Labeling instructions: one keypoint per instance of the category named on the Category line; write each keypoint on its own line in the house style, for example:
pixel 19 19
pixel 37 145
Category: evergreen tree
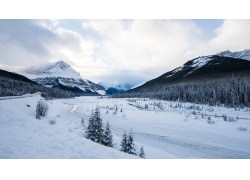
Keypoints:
pixel 107 138
pixel 95 130
pixel 90 132
pixel 98 128
pixel 124 142
pixel 142 153
pixel 130 144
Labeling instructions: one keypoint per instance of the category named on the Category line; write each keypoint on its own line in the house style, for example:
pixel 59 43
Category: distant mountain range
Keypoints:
pixel 62 75
pixel 116 89
pixel 202 69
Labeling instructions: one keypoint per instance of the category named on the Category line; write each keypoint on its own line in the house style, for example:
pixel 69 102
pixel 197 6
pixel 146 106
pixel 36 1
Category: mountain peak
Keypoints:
pixel 245 54
pixel 61 63
pixel 54 69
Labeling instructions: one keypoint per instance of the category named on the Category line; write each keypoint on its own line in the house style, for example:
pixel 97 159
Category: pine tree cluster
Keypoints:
pixel 95 130
pixel 127 143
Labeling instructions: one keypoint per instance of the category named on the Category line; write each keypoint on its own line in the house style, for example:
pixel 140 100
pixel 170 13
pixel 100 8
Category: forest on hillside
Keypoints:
pixel 12 87
pixel 231 92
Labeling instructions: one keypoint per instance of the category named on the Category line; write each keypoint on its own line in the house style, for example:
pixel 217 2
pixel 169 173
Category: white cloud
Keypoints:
pixel 116 50
pixel 104 27
pixel 151 46
pixel 39 41
pixel 232 35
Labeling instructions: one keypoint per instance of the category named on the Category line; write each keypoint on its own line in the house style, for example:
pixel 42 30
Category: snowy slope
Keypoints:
pixel 23 136
pixel 63 75
pixel 191 66
pixel 167 132
pixel 197 63
pixel 138 85
pixel 245 54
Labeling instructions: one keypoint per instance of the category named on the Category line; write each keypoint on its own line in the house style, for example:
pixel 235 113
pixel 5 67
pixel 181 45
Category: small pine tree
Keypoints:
pixel 95 130
pixel 124 142
pixel 107 137
pixel 98 126
pixel 90 132
pixel 121 110
pixel 142 153
pixel 130 144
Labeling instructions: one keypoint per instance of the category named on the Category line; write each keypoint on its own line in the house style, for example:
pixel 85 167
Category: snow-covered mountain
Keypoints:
pixel 62 75
pixel 245 54
pixel 124 87
pixel 203 69
pixel 114 89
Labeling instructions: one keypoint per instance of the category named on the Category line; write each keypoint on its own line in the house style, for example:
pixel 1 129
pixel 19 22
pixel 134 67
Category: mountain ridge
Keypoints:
pixel 203 68
pixel 62 75
pixel 245 54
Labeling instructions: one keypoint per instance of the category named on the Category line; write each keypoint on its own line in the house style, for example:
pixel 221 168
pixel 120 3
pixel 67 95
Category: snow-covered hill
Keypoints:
pixel 25 137
pixel 245 54
pixel 62 75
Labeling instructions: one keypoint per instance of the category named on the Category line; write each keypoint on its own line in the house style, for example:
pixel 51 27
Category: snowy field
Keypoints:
pixel 166 130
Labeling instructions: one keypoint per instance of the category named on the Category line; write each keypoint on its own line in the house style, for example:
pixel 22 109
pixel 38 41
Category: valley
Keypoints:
pixel 166 129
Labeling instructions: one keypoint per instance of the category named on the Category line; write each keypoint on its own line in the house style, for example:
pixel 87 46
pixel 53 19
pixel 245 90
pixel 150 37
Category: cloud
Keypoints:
pixel 116 51
pixel 150 46
pixel 232 35
pixel 34 42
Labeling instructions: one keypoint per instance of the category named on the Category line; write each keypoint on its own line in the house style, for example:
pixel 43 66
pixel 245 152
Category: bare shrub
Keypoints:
pixel 209 120
pixel 41 109
pixel 242 128
pixel 52 122
pixel 231 119
pixel 224 117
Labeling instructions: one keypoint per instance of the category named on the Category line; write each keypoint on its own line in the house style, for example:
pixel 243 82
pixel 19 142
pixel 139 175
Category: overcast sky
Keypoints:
pixel 117 51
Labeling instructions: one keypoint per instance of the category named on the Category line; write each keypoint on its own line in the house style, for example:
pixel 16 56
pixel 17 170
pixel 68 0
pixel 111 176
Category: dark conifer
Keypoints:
pixel 90 132
pixel 142 153
pixel 130 144
pixel 124 142
pixel 108 138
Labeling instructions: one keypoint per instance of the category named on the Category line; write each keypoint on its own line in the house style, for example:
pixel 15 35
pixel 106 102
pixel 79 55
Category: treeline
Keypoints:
pixel 12 87
pixel 231 92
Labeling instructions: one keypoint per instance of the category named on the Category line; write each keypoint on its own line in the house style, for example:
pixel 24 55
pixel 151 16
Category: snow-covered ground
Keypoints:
pixel 165 129
pixel 23 136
